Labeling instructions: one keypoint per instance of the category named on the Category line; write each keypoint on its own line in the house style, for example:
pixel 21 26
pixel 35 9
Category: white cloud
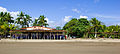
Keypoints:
pixel 51 23
pixel 3 9
pixel 49 20
pixel 76 10
pixel 105 16
pixel 95 1
pixel 83 16
pixel 67 18
pixel 13 14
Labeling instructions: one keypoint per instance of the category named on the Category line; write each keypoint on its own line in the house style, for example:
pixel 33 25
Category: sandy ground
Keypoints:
pixel 59 48
pixel 72 40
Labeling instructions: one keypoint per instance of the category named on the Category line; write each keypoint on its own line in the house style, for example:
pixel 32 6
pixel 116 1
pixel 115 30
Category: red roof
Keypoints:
pixel 38 28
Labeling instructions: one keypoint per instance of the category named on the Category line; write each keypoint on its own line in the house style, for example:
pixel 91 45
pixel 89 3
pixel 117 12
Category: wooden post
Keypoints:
pixel 26 36
pixel 37 35
pixel 60 37
pixel 21 36
pixel 54 37
pixel 50 35
pixel 10 36
pixel 44 36
pixel 15 36
pixel 31 35
pixel 57 35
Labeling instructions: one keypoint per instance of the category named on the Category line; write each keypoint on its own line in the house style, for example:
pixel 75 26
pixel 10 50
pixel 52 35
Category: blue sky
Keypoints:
pixel 58 12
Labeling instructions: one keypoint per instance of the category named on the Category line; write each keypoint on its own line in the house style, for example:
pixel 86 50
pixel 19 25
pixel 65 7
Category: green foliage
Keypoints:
pixel 77 27
pixel 58 28
pixel 40 21
pixel 91 29
pixel 23 20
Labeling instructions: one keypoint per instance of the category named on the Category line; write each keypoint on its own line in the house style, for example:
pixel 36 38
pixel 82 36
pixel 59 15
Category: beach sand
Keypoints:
pixel 59 48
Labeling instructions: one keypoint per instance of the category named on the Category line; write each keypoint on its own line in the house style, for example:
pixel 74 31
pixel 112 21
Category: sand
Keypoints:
pixel 59 48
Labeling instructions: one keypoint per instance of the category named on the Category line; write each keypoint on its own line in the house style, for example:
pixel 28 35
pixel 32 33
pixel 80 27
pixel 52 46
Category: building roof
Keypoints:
pixel 36 28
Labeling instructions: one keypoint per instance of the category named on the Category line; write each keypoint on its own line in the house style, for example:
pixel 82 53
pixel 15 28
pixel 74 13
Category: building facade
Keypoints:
pixel 38 32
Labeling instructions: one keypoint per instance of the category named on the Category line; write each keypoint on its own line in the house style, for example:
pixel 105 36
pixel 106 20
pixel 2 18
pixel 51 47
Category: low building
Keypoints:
pixel 38 32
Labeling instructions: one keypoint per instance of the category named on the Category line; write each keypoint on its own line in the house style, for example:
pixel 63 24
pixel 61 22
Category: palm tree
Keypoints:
pixel 3 16
pixel 42 21
pixel 27 20
pixel 95 24
pixel 20 19
pixel 9 18
pixel 5 21
pixel 35 22
pixel 5 27
pixel 24 20
pixel 58 28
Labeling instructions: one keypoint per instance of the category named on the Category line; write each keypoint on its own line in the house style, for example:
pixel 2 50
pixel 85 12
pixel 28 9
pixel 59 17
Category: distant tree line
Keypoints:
pixel 23 20
pixel 81 28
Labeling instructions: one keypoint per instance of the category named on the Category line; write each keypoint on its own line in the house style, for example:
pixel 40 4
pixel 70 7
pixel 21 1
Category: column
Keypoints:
pixel 15 36
pixel 37 35
pixel 54 37
pixel 10 35
pixel 50 35
pixel 60 37
pixel 31 35
pixel 26 36
pixel 44 36
pixel 21 36
pixel 57 35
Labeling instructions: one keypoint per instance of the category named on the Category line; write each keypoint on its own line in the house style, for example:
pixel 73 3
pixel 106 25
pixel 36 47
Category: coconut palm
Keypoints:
pixel 95 24
pixel 9 18
pixel 23 20
pixel 27 20
pixel 20 19
pixel 42 21
pixel 35 23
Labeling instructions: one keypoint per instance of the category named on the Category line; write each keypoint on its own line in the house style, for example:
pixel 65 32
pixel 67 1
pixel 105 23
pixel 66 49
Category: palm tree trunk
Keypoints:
pixel 95 33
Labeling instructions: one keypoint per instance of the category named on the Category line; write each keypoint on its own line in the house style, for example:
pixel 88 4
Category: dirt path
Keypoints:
pixel 59 48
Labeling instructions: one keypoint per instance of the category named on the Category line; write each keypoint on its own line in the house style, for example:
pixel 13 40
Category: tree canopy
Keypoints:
pixel 82 27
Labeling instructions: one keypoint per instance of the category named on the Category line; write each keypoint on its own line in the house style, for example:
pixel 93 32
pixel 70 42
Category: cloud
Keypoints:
pixel 67 18
pixel 3 9
pixel 76 10
pixel 49 20
pixel 105 16
pixel 13 14
pixel 95 1
pixel 51 23
pixel 83 16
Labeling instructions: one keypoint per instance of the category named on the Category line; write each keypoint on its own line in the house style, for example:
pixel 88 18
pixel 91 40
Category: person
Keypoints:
pixel 65 37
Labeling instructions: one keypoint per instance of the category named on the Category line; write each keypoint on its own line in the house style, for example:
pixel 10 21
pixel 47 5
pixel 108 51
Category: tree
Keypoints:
pixel 95 24
pixel 70 26
pixel 35 23
pixel 23 20
pixel 40 21
pixel 27 20
pixel 9 18
pixel 20 19
pixel 58 28
pixel 6 21
pixel 77 27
